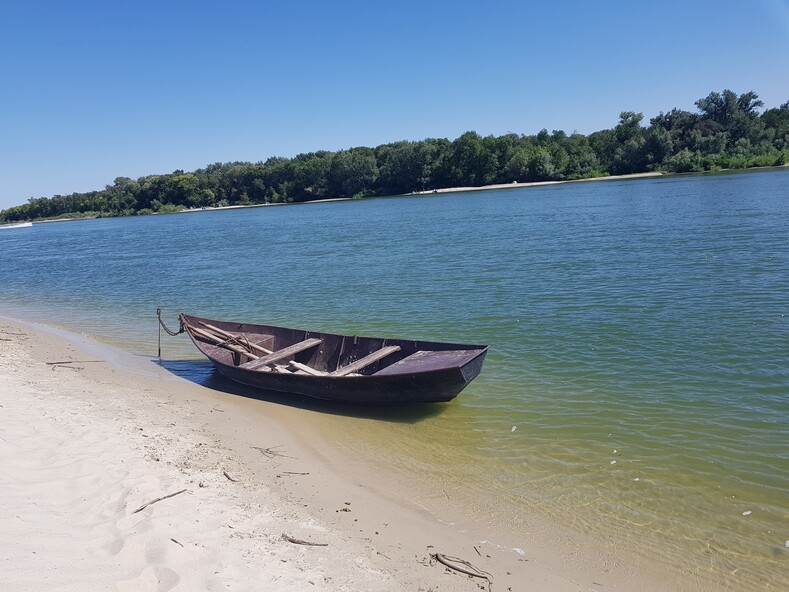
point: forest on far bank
(727, 131)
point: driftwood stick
(462, 566)
(290, 539)
(72, 362)
(270, 452)
(177, 542)
(158, 499)
(229, 478)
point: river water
(637, 386)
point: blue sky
(94, 90)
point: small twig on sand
(73, 362)
(177, 542)
(292, 473)
(478, 553)
(229, 478)
(270, 452)
(77, 368)
(290, 539)
(158, 499)
(462, 566)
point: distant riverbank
(265, 205)
(455, 189)
(513, 185)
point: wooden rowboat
(343, 368)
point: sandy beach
(516, 185)
(117, 475)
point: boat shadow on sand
(202, 372)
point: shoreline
(513, 185)
(257, 470)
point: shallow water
(637, 386)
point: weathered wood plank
(243, 339)
(306, 369)
(281, 354)
(217, 340)
(366, 361)
(426, 361)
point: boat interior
(278, 349)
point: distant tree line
(727, 132)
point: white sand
(516, 185)
(76, 459)
(85, 444)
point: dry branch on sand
(290, 539)
(270, 452)
(158, 499)
(462, 566)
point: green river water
(637, 385)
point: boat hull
(420, 371)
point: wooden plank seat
(366, 361)
(281, 354)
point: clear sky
(91, 90)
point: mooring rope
(169, 331)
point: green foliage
(726, 132)
(471, 162)
(168, 208)
(352, 172)
(684, 161)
